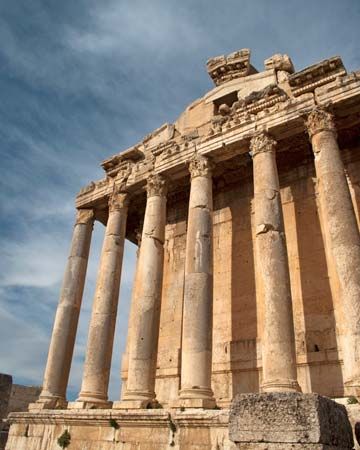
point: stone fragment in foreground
(289, 420)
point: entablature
(167, 151)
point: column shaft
(342, 234)
(94, 389)
(278, 341)
(196, 355)
(147, 301)
(62, 343)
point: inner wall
(238, 307)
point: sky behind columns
(82, 80)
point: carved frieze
(200, 166)
(257, 107)
(261, 143)
(245, 109)
(156, 185)
(166, 149)
(319, 120)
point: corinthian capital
(85, 216)
(118, 200)
(319, 120)
(262, 143)
(200, 166)
(156, 185)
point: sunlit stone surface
(248, 271)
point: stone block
(289, 418)
(5, 391)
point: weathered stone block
(289, 418)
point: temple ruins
(246, 216)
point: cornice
(281, 119)
(316, 75)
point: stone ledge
(281, 446)
(140, 417)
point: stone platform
(157, 429)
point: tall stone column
(94, 389)
(278, 340)
(342, 235)
(147, 301)
(196, 355)
(61, 349)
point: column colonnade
(279, 370)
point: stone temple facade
(246, 216)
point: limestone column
(278, 340)
(143, 343)
(94, 389)
(342, 235)
(58, 364)
(196, 354)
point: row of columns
(278, 341)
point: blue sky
(82, 80)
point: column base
(84, 404)
(200, 403)
(284, 385)
(48, 403)
(137, 400)
(195, 398)
(137, 404)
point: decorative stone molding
(165, 150)
(225, 68)
(316, 75)
(118, 200)
(116, 162)
(319, 120)
(156, 185)
(279, 62)
(261, 143)
(93, 186)
(85, 216)
(200, 166)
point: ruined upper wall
(242, 102)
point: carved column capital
(200, 166)
(118, 200)
(262, 143)
(156, 186)
(85, 216)
(319, 120)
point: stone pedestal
(278, 340)
(196, 358)
(289, 420)
(146, 298)
(62, 343)
(342, 235)
(102, 324)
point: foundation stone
(288, 420)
